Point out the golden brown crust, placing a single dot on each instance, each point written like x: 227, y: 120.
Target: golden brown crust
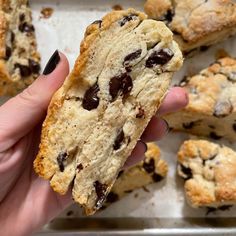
x: 210, y: 173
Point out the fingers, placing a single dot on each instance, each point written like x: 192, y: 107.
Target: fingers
x: 21, y: 113
x: 176, y: 99
x: 137, y: 154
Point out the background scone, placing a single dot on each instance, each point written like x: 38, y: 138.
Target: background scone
x: 152, y: 169
x: 19, y: 59
x: 195, y: 23
x: 95, y: 119
x: 212, y: 102
x: 210, y: 173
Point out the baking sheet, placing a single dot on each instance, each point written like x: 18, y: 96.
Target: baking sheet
x: 165, y: 201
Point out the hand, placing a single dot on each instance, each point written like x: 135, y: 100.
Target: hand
x: 26, y: 201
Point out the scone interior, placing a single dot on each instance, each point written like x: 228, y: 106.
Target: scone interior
x: 212, y: 102
x: 96, y: 118
x: 210, y: 174
x: 195, y: 23
x: 19, y: 59
x: 151, y: 170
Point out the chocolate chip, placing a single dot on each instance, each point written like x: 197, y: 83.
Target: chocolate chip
x: 119, y: 140
x: 8, y: 53
x: 234, y: 127
x: 121, y: 84
x: 22, y: 17
x: 61, y: 159
x: 169, y: 16
x: 149, y: 167
x: 160, y: 57
x: 101, y: 192
x: 125, y: 19
x: 91, y: 99
x: 210, y: 210
x: 215, y: 136
x: 225, y: 207
x: 24, y: 69
x: 80, y: 167
x: 97, y: 22
x: 141, y: 113
x: 223, y: 109
x: 189, y: 125
x: 132, y: 56
x: 120, y: 173
x: 12, y: 37
x: 157, y: 178
x: 25, y: 27
x: 69, y: 213
x: 204, y: 48
x: 112, y: 197
x: 34, y: 66
x: 187, y: 171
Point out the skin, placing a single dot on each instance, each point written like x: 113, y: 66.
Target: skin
x: 26, y: 199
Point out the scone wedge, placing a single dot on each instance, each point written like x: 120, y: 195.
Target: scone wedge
x: 210, y: 174
x: 19, y: 59
x: 151, y: 170
x: 195, y: 23
x: 212, y: 102
x: 95, y: 119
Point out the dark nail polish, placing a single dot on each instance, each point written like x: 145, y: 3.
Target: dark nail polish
x: 52, y: 63
x: 145, y: 145
x: 167, y: 126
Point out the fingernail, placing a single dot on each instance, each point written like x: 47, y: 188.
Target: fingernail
x: 167, y: 126
x: 52, y: 63
x: 144, y: 144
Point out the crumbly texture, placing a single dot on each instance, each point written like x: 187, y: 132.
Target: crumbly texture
x: 195, y: 23
x: 19, y: 59
x: 151, y: 170
x: 95, y: 119
x: 210, y: 173
x: 212, y: 102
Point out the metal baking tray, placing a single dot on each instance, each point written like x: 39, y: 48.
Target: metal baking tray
x: 162, y: 209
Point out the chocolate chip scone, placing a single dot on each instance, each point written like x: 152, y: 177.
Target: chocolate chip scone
x: 212, y: 102
x: 152, y: 169
x: 195, y: 23
x: 210, y: 173
x: 19, y: 59
x: 95, y: 119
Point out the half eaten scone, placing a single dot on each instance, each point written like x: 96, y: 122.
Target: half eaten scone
x: 95, y: 119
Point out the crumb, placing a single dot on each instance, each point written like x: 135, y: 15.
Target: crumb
x: 117, y: 7
x: 145, y: 189
x: 46, y: 12
x: 135, y: 195
x: 69, y: 213
x: 68, y: 50
x: 221, y: 53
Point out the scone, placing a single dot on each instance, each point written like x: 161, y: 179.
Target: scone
x: 210, y: 173
x: 212, y: 102
x: 19, y: 59
x: 152, y: 169
x: 95, y: 119
x: 195, y: 23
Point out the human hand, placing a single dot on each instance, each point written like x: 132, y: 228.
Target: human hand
x: 26, y: 201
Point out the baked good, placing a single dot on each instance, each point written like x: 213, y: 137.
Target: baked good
x: 152, y: 169
x: 95, y: 119
x: 209, y: 172
x: 19, y: 59
x: 195, y: 23
x: 212, y: 102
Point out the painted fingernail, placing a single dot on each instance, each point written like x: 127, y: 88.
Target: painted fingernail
x: 144, y: 144
x: 52, y: 63
x: 167, y: 126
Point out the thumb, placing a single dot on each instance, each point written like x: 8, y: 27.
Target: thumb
x: 23, y: 112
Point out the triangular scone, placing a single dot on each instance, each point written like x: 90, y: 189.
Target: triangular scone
x: 95, y: 119
x: 212, y: 102
x: 195, y: 23
x: 210, y: 174
x: 19, y: 59
x: 151, y: 170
